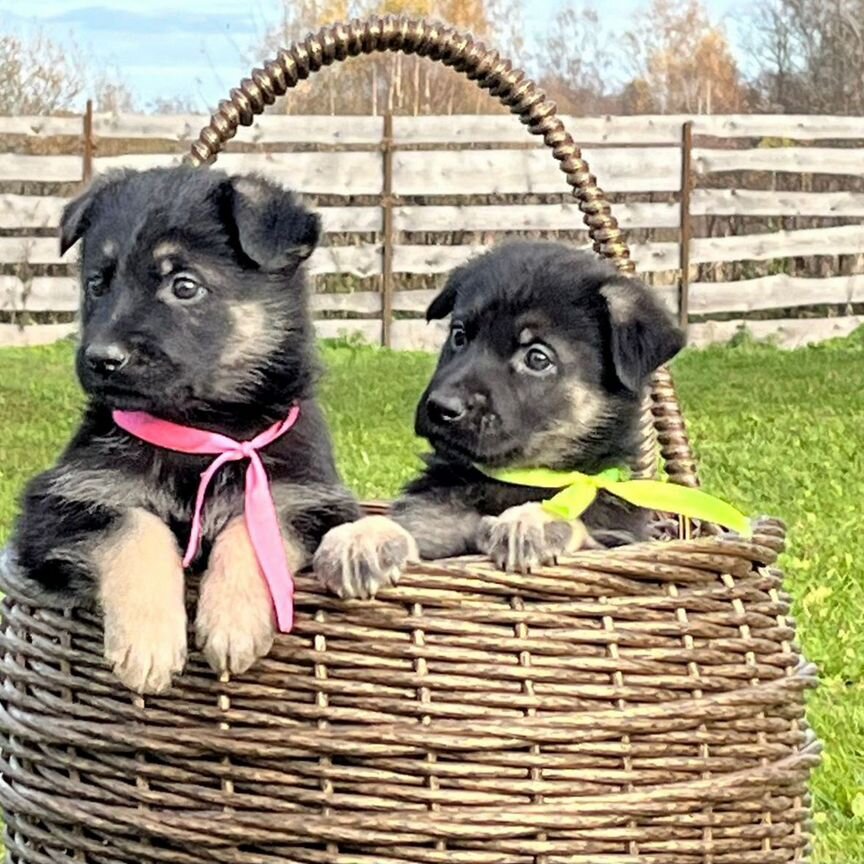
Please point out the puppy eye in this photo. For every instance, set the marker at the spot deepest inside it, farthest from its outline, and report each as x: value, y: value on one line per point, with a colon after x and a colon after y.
x: 186, y: 289
x: 458, y: 338
x: 537, y: 359
x: 95, y: 286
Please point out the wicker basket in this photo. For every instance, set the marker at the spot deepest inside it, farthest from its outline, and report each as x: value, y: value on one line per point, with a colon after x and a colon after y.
x: 641, y: 705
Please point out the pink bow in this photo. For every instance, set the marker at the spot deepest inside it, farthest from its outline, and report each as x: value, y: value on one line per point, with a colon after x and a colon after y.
x: 262, y: 521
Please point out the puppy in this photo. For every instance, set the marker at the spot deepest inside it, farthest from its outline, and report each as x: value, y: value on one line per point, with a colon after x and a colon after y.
x: 194, y: 309
x: 545, y: 366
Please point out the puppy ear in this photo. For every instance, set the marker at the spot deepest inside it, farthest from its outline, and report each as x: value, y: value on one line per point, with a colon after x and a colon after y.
x: 75, y: 219
x: 644, y: 336
x: 443, y: 304
x: 273, y: 229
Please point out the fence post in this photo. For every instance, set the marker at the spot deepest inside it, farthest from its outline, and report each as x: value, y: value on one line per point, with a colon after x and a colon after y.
x: 388, y: 232
x: 89, y: 144
x: 684, y: 225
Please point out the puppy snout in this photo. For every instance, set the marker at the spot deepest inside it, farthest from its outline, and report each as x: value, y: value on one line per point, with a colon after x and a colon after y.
x: 448, y: 408
x: 445, y: 408
x: 106, y: 358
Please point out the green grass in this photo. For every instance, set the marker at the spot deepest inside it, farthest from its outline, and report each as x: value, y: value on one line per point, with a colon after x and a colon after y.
x: 777, y: 432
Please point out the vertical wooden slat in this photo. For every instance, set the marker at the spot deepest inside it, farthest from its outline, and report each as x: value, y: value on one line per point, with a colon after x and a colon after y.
x: 388, y: 230
x: 89, y: 144
x: 684, y: 236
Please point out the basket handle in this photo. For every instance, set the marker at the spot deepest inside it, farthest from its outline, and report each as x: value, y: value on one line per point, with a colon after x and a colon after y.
x: 491, y: 72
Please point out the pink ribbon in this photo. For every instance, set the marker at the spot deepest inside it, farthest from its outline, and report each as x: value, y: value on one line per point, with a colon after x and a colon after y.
x: 262, y: 522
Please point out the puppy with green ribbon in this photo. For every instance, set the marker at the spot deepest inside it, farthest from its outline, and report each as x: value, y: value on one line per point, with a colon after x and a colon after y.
x: 533, y: 411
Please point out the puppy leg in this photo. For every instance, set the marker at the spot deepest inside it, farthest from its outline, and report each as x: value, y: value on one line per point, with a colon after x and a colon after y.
x: 442, y: 524
x: 140, y: 576
x: 235, y: 624
x: 359, y: 558
x: 526, y: 536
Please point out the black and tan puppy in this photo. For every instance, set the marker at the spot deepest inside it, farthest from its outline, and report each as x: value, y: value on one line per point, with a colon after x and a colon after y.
x: 194, y: 309
x: 548, y: 355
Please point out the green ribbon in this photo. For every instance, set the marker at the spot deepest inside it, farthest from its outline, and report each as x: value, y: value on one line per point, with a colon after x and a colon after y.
x: 579, y: 490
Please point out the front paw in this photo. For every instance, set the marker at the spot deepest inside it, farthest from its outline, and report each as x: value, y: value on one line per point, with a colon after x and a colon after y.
x: 359, y: 558
x: 526, y: 537
x: 146, y: 654
x: 235, y: 623
x: 141, y: 592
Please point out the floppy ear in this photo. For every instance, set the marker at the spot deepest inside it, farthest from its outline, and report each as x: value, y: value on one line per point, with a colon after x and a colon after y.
x: 443, y: 304
x: 273, y: 229
x: 644, y: 336
x: 75, y: 219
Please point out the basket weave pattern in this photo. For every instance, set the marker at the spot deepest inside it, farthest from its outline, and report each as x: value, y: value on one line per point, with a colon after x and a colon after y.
x: 639, y: 705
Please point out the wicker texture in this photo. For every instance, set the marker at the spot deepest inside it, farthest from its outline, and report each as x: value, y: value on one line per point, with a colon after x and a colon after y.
x: 640, y: 705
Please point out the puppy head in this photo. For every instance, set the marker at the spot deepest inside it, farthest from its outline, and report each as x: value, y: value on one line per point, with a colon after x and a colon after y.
x: 548, y: 354
x: 192, y: 299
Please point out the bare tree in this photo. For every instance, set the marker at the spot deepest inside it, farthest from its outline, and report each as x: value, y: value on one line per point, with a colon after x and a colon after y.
x: 392, y: 82
x: 575, y: 66
x: 682, y: 61
x: 811, y: 55
x: 38, y: 76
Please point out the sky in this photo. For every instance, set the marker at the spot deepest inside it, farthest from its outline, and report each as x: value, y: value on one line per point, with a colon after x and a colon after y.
x: 200, y: 49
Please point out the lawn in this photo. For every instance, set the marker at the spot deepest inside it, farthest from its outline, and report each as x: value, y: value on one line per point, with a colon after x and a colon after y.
x: 777, y: 432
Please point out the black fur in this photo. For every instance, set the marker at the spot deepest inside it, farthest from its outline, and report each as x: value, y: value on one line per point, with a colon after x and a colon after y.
x: 232, y: 359
x: 605, y: 334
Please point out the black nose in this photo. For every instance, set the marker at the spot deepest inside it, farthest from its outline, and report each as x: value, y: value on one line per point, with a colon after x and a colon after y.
x: 106, y: 358
x: 445, y: 408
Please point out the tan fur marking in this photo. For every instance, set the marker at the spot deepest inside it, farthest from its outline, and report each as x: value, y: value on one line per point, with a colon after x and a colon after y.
x: 166, y: 249
x: 622, y: 301
x: 235, y: 624
x: 253, y: 335
x: 141, y: 591
x: 548, y: 446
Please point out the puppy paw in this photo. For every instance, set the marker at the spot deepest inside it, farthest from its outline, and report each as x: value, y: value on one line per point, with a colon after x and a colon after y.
x: 235, y: 624
x: 526, y: 537
x: 146, y: 654
x: 357, y: 559
x: 141, y: 593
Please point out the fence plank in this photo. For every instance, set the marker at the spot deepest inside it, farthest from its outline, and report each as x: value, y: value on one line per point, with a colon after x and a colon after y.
x: 774, y: 292
x: 840, y: 240
x: 41, y: 294
x: 797, y: 160
x: 347, y: 173
x: 48, y: 169
x: 487, y: 172
x: 38, y: 126
x: 506, y: 129
x: 784, y: 332
x: 357, y: 302
x: 528, y: 217
x: 493, y: 129
x: 13, y: 336
x: 750, y: 202
x: 267, y: 129
x: 431, y: 259
x: 31, y: 250
x: 364, y: 259
x: 30, y: 211
x: 350, y: 220
x: 801, y: 127
x: 368, y: 330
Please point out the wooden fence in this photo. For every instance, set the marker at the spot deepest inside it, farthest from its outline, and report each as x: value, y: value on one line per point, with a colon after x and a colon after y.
x: 404, y: 199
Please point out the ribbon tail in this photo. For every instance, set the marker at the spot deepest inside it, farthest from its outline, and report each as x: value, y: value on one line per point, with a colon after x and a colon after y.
x: 682, y: 500
x: 262, y: 522
x: 195, y: 530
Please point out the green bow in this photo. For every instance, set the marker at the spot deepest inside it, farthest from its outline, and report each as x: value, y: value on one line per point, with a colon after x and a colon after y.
x: 579, y: 490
